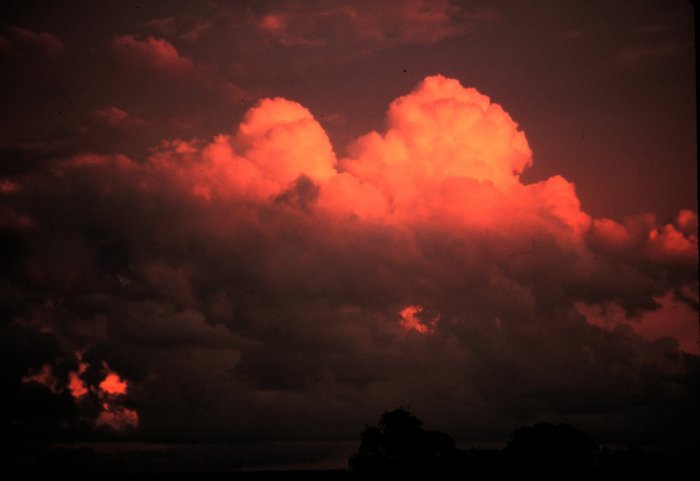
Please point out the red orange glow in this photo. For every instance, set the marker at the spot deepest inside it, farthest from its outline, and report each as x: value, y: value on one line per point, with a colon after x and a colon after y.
x: 449, y: 163
x: 113, y: 384
x: 118, y: 419
x: 76, y: 385
x: 114, y: 415
x: 109, y: 392
x: 45, y: 377
x: 673, y: 319
x: 445, y: 147
x: 410, y: 320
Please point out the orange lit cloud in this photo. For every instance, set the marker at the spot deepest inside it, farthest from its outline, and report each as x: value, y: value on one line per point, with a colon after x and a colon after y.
x: 113, y: 384
x: 449, y: 158
x: 642, y: 238
x: 45, y: 377
x: 439, y: 131
x: 156, y: 53
x: 283, y: 140
x: 110, y: 394
x: 277, y: 141
x: 673, y: 318
x: 258, y: 266
x: 76, y: 385
x: 106, y: 397
x: 410, y: 320
x: 118, y: 419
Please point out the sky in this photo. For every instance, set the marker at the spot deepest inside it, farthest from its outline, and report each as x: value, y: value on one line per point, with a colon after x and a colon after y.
x: 244, y: 230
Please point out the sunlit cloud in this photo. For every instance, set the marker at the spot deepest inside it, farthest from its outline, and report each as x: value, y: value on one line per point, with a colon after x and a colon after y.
x: 76, y: 385
x: 151, y: 52
x: 410, y: 320
x: 107, y: 395
x: 118, y: 419
x: 260, y: 265
x: 113, y: 384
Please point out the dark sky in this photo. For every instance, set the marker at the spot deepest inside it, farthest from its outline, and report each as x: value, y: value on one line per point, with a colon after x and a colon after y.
x: 268, y: 222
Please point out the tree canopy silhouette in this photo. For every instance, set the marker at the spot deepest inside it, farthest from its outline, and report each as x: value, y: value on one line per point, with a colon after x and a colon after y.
x: 399, y: 443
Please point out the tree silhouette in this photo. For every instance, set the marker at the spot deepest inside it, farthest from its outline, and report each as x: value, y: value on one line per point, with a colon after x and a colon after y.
x: 400, y: 444
x: 545, y: 448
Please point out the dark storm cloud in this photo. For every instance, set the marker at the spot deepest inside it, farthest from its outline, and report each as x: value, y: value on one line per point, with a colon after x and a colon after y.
x: 273, y: 283
x: 256, y: 286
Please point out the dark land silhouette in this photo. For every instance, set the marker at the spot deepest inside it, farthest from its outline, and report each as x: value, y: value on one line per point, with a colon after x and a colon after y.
x: 399, y: 444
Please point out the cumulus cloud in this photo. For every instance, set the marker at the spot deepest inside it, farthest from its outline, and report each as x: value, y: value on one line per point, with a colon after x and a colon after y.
x: 255, y: 284
x: 440, y: 132
x: 152, y: 52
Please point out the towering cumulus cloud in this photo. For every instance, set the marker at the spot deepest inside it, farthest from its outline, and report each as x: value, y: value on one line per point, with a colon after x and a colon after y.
x: 256, y: 285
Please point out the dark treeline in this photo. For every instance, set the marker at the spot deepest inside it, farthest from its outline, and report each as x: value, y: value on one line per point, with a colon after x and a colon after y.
x: 399, y: 444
